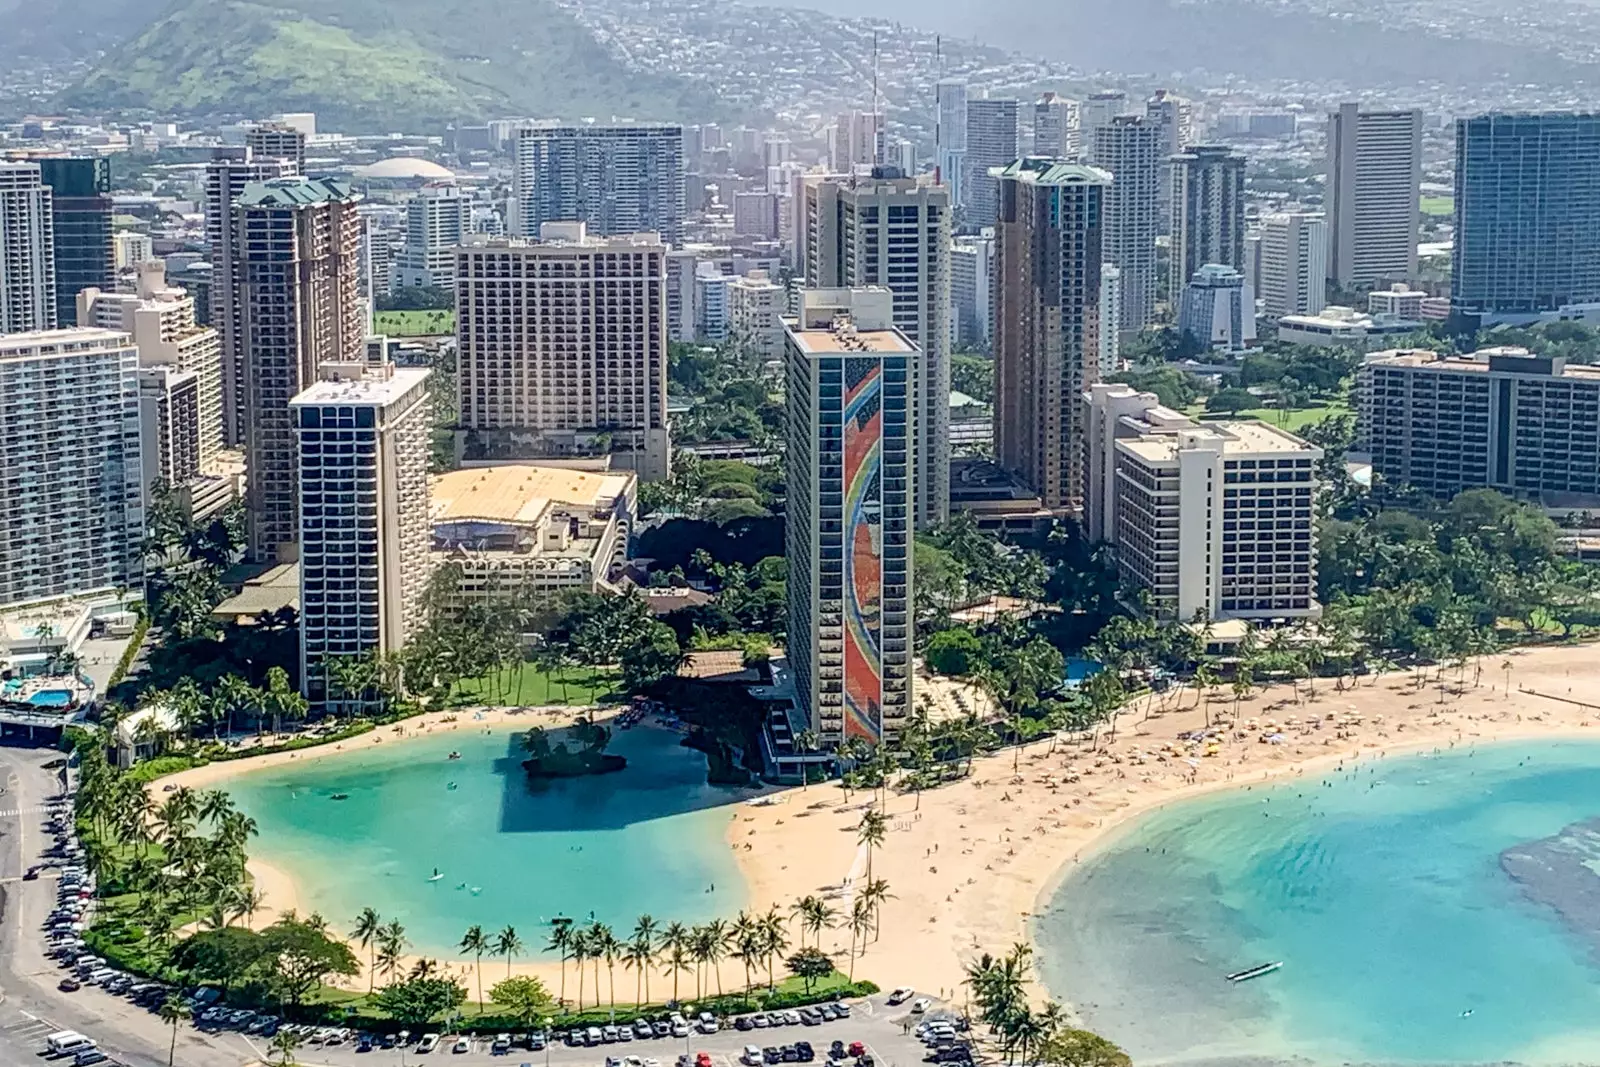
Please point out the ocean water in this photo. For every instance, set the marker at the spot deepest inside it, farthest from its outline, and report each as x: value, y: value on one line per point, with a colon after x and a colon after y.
x: 647, y: 839
x: 1428, y: 909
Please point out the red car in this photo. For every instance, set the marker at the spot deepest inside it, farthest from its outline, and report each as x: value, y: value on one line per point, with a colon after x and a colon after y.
x: 702, y: 1059
x: 857, y: 1048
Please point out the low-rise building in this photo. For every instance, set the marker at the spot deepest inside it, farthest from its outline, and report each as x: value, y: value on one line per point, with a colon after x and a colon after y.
x: 1336, y: 325
x: 755, y: 315
x: 1398, y: 301
x: 1218, y: 309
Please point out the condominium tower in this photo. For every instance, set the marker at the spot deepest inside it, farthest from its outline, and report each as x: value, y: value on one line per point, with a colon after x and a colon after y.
x: 80, y: 197
x: 71, y: 485
x: 275, y: 140
x: 895, y: 232
x: 993, y: 140
x: 297, y: 273
x: 563, y: 346
x: 950, y: 137
x: 27, y: 250
x: 1527, y: 234
x: 1055, y: 127
x: 1292, y: 264
x: 1129, y: 147
x: 1372, y: 195
x: 1047, y: 319
x: 619, y: 179
x: 850, y: 472
x: 438, y: 219
x: 362, y: 454
x: 1173, y: 118
x: 1207, y: 211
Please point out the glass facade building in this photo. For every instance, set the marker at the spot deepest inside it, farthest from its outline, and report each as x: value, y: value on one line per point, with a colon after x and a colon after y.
x: 81, y: 208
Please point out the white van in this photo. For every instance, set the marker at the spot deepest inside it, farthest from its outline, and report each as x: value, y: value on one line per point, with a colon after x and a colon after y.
x: 63, y: 1042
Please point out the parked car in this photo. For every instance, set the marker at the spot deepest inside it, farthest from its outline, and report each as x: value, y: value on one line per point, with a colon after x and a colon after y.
x: 463, y: 1044
x: 901, y: 995
x: 428, y: 1043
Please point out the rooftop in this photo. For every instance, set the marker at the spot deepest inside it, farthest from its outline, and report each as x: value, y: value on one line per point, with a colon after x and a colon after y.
x: 1236, y: 437
x: 367, y: 390
x: 48, y: 341
x: 403, y: 168
x: 846, y: 338
x: 1038, y: 170
x: 294, y: 192
x: 519, y: 493
x: 1505, y: 358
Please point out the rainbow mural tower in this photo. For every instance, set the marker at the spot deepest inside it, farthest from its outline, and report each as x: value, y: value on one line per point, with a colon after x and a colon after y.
x: 850, y: 492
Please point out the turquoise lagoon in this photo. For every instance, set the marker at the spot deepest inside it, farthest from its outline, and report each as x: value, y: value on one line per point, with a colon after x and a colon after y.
x: 650, y: 838
x: 1428, y: 909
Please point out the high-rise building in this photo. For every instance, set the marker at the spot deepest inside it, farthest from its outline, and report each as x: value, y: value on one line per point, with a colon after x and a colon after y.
x: 1217, y: 309
x: 711, y: 303
x: 277, y: 140
x: 895, y: 232
x: 227, y: 174
x: 993, y: 140
x: 1055, y: 127
x: 80, y: 198
x: 1372, y: 195
x: 1527, y: 234
x: 1048, y: 319
x: 1128, y: 147
x: 563, y: 346
x: 1110, y: 313
x: 297, y: 272
x: 1293, y: 254
x: 1207, y: 183
x: 950, y: 137
x: 1499, y: 418
x: 1215, y: 521
x: 71, y: 485
x: 618, y: 179
x: 1097, y: 110
x: 857, y: 140
x: 1173, y: 118
x: 755, y: 214
x: 755, y: 315
x: 27, y: 250
x: 362, y: 435
x: 971, y: 271
x: 438, y: 219
x: 850, y: 473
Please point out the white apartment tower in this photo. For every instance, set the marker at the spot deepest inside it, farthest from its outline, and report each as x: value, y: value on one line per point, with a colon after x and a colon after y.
x: 950, y: 137
x: 620, y: 179
x: 856, y: 141
x: 362, y: 455
x: 895, y: 233
x: 1373, y: 185
x: 438, y: 219
x: 1173, y: 118
x: 971, y: 272
x: 1097, y: 110
x: 71, y: 483
x: 277, y: 140
x: 563, y: 346
x: 1055, y: 127
x: 1293, y: 257
x: 27, y: 250
x: 755, y: 315
x: 993, y: 140
x: 1129, y: 147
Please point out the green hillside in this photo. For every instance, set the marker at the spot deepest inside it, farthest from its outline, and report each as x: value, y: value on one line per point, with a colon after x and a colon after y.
x: 377, y: 65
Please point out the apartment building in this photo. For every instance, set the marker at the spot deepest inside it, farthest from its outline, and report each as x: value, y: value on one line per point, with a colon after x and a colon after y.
x: 1129, y: 147
x: 1214, y: 521
x: 1291, y: 264
x: 1216, y: 310
x: 971, y: 270
x: 71, y: 481
x: 81, y: 209
x: 1173, y: 118
x: 361, y: 436
x: 27, y: 250
x: 994, y: 139
x: 1207, y: 212
x: 619, y: 179
x: 849, y: 476
x: 1055, y: 127
x: 755, y: 315
x: 438, y: 219
x: 277, y: 140
x: 563, y: 347
x: 950, y: 138
x: 1372, y: 195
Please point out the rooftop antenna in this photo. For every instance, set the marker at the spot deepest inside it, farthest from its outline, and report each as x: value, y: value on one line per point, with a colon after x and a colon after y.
x: 938, y: 110
x: 877, y: 113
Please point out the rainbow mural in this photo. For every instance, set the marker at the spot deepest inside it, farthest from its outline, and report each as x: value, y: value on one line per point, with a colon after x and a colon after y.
x: 863, y: 549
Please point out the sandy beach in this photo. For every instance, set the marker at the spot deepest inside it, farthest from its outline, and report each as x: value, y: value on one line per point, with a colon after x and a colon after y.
x: 967, y: 862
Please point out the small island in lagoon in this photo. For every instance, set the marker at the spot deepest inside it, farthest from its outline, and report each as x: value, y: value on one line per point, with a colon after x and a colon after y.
x: 557, y: 759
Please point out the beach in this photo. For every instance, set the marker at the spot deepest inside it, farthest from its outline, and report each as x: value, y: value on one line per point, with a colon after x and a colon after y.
x: 967, y: 863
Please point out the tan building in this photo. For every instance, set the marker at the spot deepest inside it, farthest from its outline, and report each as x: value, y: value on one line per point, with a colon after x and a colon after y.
x: 1373, y: 194
x: 298, y: 243
x: 563, y: 348
x: 755, y: 315
x: 523, y: 531
x: 362, y: 457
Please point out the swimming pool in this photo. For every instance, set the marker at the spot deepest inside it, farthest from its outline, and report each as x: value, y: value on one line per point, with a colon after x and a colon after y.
x: 1079, y: 669
x: 51, y: 698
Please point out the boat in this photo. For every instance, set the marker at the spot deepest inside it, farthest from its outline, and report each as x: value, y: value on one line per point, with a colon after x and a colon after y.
x: 1254, y: 972
x: 340, y: 796
x: 454, y: 755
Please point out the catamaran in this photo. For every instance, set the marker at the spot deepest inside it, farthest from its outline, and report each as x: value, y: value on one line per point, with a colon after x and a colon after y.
x: 1254, y: 972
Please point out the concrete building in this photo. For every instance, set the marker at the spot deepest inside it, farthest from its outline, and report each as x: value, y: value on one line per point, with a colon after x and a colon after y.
x: 277, y: 140
x: 71, y: 484
x: 620, y: 179
x: 169, y: 427
x: 895, y: 232
x: 1372, y: 195
x: 539, y: 375
x: 1109, y: 358
x: 80, y: 208
x: 1292, y: 264
x: 1215, y: 521
x: 1129, y: 147
x: 297, y: 280
x: 1502, y: 418
x: 1097, y: 110
x: 756, y: 305
x: 971, y: 269
x: 438, y: 219
x: 1048, y: 319
x: 850, y: 475
x: 362, y: 454
x: 227, y: 174
x: 755, y: 214
x: 27, y: 250
x: 1527, y: 232
x: 994, y: 139
x: 131, y: 248
x: 1398, y: 301
x: 1055, y: 127
x: 1207, y: 212
x: 1173, y: 118
x: 856, y: 141
x: 1335, y: 325
x: 711, y: 304
x: 1218, y: 310
x: 950, y: 138
x: 528, y: 534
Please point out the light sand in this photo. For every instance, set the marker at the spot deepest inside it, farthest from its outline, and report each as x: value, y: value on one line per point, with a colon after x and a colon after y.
x: 966, y: 863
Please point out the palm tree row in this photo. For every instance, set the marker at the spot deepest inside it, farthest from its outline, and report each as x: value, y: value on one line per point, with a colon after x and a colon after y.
x: 1039, y: 1036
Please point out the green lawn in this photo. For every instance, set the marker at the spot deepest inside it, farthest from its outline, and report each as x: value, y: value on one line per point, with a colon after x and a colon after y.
x: 1294, y: 421
x: 528, y: 686
x: 1439, y: 205
x: 415, y: 323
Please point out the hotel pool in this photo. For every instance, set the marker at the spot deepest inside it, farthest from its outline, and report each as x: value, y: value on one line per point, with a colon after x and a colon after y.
x: 51, y: 698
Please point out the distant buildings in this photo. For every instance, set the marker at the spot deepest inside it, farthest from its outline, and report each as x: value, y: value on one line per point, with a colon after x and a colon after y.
x: 361, y: 436
x: 71, y: 483
x: 1215, y: 520
x: 993, y: 140
x: 1335, y: 325
x: 1173, y: 118
x: 950, y: 138
x: 1207, y: 212
x: 1398, y: 301
x: 755, y: 214
x: 1218, y: 309
x: 1048, y: 318
x: 1292, y: 263
x: 1527, y: 235
x: 1097, y: 110
x: 711, y: 304
x: 1373, y: 195
x: 1129, y: 147
x: 1055, y: 127
x: 755, y: 315
x: 27, y: 250
x: 277, y: 140
x: 563, y: 347
x: 856, y: 140
x: 971, y: 268
x: 438, y: 219
x: 1502, y: 418
x: 850, y: 477
x: 618, y: 179
x: 80, y: 196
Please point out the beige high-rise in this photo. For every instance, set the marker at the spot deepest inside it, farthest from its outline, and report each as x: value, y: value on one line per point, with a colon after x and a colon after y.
x: 1372, y: 196
x: 563, y: 347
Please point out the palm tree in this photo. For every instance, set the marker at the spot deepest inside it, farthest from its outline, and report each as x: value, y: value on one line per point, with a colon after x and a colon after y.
x: 561, y: 942
x: 605, y: 946
x: 391, y: 946
x: 580, y: 956
x: 859, y: 924
x: 173, y: 1012
x: 717, y: 943
x: 365, y: 934
x: 508, y: 944
x: 675, y: 940
x: 773, y: 939
x: 871, y: 832
x: 645, y: 933
x: 637, y: 955
x: 677, y: 963
x: 815, y: 915
x: 875, y: 893
x: 476, y: 942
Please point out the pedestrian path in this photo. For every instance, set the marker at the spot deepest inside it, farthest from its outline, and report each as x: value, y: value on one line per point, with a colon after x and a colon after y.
x: 36, y: 809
